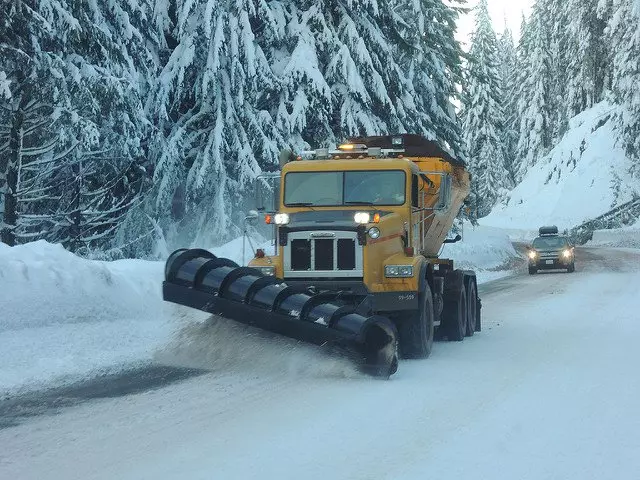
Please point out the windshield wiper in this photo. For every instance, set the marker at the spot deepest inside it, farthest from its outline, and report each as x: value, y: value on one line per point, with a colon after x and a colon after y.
x: 359, y: 202
x: 299, y: 204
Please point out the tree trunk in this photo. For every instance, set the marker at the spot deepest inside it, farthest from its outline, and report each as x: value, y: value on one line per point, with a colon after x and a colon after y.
x: 10, y: 213
x: 76, y: 214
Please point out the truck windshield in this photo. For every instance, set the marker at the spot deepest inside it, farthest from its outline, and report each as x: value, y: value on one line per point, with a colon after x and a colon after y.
x: 370, y: 187
x: 549, y: 242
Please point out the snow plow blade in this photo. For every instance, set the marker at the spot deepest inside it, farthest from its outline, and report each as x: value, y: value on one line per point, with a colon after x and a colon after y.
x: 196, y: 278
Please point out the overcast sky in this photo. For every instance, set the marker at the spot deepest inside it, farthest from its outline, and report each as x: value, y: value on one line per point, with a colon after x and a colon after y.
x: 511, y: 10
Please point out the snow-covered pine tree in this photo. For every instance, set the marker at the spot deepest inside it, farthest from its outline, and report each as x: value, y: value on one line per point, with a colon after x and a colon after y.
x: 384, y: 67
x: 432, y: 58
x: 508, y: 64
x: 483, y: 117
x: 77, y: 89
x: 111, y: 65
x: 555, y: 16
x: 337, y: 71
x: 534, y: 82
x: 212, y: 106
x: 27, y: 118
x: 624, y: 34
x: 586, y: 66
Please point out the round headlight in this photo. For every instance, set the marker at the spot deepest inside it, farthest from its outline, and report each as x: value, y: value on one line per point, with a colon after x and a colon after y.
x: 281, y: 218
x: 374, y: 232
x: 362, y: 217
x: 566, y: 253
x: 533, y: 254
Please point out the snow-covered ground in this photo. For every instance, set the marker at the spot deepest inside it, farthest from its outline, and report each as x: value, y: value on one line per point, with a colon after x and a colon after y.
x: 64, y: 318
x: 584, y: 176
x: 548, y: 390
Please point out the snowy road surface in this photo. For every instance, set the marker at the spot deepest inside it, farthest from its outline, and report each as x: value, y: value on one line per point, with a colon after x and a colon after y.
x: 549, y: 390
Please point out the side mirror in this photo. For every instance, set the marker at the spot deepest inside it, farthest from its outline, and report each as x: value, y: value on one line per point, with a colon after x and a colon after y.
x: 252, y: 217
x: 444, y: 194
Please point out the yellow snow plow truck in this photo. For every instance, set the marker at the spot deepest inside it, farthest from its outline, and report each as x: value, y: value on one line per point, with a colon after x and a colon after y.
x: 358, y: 231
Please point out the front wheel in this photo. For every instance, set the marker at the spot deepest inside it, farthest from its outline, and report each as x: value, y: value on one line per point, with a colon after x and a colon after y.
x: 533, y: 270
x: 572, y: 268
x: 416, y: 330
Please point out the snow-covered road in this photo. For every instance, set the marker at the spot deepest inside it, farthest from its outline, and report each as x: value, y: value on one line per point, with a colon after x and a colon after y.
x: 549, y: 389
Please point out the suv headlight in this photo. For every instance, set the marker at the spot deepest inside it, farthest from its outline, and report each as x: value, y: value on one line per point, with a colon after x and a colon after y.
x: 402, y: 271
x: 567, y: 253
x: 533, y: 254
x: 267, y: 271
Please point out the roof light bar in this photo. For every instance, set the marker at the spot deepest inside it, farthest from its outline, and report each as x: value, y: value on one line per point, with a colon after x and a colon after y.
x: 352, y: 146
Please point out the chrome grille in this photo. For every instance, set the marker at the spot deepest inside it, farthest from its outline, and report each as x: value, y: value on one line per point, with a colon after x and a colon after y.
x: 322, y: 254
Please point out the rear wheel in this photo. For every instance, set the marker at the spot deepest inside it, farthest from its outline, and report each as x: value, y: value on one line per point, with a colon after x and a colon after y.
x: 472, y: 309
x: 455, y: 315
x: 416, y: 330
x: 533, y: 270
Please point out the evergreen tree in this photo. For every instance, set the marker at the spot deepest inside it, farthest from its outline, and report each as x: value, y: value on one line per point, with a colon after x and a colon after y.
x: 534, y: 91
x: 211, y: 105
x: 586, y: 68
x: 435, y: 67
x: 483, y: 115
x: 74, y: 98
x: 508, y: 63
x: 28, y: 120
x: 624, y: 33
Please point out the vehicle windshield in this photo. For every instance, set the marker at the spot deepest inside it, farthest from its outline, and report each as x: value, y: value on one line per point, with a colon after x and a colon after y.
x: 363, y: 187
x: 543, y: 243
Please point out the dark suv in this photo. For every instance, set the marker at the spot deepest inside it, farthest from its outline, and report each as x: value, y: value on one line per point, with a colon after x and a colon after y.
x: 550, y: 251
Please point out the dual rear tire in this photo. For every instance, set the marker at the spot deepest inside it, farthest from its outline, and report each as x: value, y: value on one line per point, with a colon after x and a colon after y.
x: 416, y: 330
x: 460, y: 318
x: 461, y: 315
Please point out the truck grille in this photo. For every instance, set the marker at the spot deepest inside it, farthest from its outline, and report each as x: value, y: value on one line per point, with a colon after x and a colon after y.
x: 332, y: 254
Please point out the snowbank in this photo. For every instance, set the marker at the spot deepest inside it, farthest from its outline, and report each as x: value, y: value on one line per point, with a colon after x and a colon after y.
x: 627, y: 237
x: 583, y: 177
x: 484, y: 249
x: 65, y: 318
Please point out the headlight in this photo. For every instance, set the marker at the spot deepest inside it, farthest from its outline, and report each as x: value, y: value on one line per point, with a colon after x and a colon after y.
x: 398, y: 271
x: 374, y: 232
x: 267, y: 271
x: 281, y: 218
x: 566, y: 253
x: 533, y: 254
x: 362, y: 217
